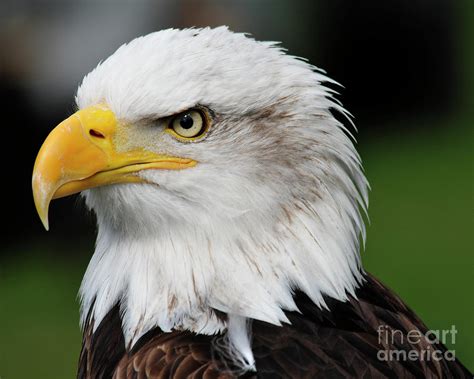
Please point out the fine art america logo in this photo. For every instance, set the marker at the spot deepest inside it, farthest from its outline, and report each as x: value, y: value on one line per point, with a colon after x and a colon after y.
x: 415, y: 345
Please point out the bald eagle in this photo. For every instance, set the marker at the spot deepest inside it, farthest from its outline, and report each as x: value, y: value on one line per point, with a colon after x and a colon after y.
x: 230, y: 207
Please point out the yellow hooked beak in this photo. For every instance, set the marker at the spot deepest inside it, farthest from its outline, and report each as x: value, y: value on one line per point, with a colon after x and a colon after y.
x: 80, y: 153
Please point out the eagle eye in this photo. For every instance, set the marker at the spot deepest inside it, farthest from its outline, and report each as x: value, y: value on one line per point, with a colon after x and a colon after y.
x: 188, y: 125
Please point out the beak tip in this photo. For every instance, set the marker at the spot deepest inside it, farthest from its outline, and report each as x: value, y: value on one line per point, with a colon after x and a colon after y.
x: 44, y: 219
x: 46, y: 224
x: 42, y: 210
x: 42, y: 196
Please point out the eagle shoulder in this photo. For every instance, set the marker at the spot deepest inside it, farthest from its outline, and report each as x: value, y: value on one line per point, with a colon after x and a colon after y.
x: 348, y: 340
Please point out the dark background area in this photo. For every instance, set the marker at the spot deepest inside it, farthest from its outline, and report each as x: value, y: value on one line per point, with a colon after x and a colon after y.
x: 407, y: 71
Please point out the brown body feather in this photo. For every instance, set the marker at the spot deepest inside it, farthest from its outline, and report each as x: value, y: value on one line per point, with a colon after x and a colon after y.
x: 341, y: 342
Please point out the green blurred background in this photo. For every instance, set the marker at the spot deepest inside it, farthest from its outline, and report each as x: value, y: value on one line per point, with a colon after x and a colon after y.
x: 408, y: 69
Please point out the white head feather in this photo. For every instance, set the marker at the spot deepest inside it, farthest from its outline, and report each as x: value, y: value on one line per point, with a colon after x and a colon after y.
x: 273, y: 205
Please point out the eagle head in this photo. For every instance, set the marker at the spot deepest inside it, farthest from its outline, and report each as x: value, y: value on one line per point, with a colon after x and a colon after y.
x: 220, y: 179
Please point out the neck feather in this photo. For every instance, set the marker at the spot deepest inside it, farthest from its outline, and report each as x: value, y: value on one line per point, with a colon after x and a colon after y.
x: 177, y: 279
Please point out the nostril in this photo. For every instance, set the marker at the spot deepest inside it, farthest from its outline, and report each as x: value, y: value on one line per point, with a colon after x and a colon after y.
x: 95, y: 133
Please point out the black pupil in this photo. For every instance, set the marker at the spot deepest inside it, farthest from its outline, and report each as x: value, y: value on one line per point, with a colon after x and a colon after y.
x: 186, y: 121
